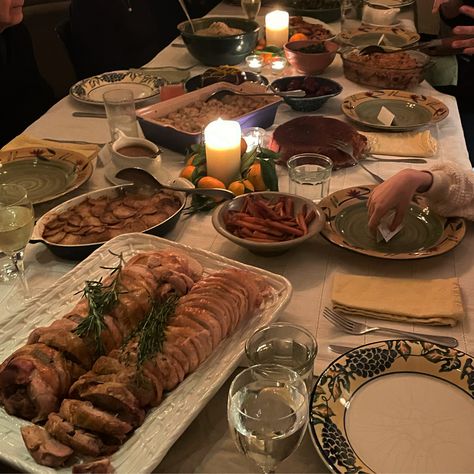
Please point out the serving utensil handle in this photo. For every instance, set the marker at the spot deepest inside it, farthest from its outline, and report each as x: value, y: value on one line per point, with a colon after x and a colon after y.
x: 444, y: 340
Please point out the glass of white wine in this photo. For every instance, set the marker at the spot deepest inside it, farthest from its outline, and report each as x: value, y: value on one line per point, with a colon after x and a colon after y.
x: 251, y: 8
x: 16, y: 226
x: 267, y: 410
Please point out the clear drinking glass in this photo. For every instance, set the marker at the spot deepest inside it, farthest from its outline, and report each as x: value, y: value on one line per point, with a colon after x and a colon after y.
x: 284, y: 344
x: 251, y: 8
x: 16, y: 226
x: 309, y: 175
x: 120, y: 110
x: 267, y: 410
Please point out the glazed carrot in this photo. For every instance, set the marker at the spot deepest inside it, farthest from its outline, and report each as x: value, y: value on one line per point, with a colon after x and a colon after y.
x: 284, y: 228
x: 302, y: 223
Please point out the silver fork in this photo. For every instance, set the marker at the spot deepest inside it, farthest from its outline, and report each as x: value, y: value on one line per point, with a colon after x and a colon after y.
x: 353, y: 327
x: 349, y: 150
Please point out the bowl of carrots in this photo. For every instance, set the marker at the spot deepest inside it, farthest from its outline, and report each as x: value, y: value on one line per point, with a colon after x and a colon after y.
x: 268, y: 222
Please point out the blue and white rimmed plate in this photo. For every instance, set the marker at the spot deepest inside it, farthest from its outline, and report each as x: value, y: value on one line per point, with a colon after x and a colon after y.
x: 395, y: 406
x: 91, y: 90
x: 424, y: 233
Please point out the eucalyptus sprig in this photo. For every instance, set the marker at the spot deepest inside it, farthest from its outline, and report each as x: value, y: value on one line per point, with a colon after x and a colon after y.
x: 101, y: 299
x: 151, y: 331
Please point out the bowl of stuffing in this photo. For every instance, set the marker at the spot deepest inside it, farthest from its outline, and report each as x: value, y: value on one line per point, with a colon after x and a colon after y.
x: 318, y: 91
x: 310, y: 57
x: 397, y: 70
x: 218, y: 41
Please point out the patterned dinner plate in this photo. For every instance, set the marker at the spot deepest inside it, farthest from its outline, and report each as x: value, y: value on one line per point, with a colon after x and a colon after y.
x: 424, y: 233
x: 411, y: 110
x: 395, y: 406
x: 91, y: 90
x: 46, y: 173
x: 365, y: 35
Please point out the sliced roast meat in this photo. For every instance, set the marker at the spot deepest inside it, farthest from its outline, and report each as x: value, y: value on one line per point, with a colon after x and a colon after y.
x: 86, y: 416
x: 81, y: 441
x: 115, y: 398
x: 100, y: 466
x: 44, y: 449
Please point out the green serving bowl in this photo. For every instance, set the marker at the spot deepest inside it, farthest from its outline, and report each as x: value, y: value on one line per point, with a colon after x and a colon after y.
x: 220, y: 50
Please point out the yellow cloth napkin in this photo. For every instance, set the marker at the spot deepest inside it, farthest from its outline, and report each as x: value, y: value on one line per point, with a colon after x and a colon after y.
x: 421, y: 144
x: 436, y: 302
x: 24, y: 140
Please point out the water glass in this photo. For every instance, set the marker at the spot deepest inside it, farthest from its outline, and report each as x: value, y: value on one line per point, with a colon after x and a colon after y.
x: 285, y: 344
x: 351, y: 15
x: 120, y: 109
x: 251, y: 8
x: 254, y: 137
x: 267, y: 410
x: 309, y: 175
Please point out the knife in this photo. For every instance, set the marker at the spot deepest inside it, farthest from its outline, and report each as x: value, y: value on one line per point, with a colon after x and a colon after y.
x: 339, y: 349
x: 89, y: 114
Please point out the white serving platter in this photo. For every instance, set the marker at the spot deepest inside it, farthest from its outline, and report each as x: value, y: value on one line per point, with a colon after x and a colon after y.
x: 164, y: 424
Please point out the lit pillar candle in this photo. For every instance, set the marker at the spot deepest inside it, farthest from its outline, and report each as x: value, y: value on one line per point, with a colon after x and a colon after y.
x: 222, y: 139
x: 276, y: 28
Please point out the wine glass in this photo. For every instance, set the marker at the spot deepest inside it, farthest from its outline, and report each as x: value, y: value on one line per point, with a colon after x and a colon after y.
x: 267, y: 410
x: 16, y: 226
x: 251, y: 8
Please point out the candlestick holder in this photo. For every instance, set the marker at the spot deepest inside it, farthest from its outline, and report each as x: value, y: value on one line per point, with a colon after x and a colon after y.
x: 254, y: 62
x: 278, y: 64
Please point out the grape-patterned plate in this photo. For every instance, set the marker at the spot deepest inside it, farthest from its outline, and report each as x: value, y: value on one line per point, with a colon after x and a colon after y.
x: 395, y: 406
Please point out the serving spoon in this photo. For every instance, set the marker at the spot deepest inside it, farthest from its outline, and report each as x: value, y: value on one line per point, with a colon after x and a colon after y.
x: 220, y: 94
x: 444, y: 42
x: 141, y: 176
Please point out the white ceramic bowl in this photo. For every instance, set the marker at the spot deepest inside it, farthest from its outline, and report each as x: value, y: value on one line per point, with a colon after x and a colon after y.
x: 271, y: 248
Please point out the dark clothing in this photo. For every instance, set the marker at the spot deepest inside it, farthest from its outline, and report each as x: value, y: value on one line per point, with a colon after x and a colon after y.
x: 24, y: 94
x: 108, y: 35
x: 463, y: 91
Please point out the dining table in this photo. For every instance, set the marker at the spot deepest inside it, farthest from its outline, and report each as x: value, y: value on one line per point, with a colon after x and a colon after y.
x: 206, y: 445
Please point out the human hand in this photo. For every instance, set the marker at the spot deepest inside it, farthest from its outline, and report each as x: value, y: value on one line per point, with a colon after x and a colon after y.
x: 467, y: 45
x: 396, y: 193
x: 449, y: 7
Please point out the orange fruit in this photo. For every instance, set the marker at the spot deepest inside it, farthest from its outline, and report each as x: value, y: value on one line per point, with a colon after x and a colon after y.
x: 210, y: 182
x: 187, y: 172
x: 243, y: 146
x: 241, y: 187
x: 298, y: 37
x: 255, y: 177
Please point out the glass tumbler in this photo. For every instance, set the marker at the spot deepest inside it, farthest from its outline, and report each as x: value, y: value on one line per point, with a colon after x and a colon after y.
x: 120, y: 109
x: 309, y: 175
x: 285, y: 344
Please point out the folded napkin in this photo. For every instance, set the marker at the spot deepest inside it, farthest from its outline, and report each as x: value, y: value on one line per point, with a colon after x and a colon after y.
x: 421, y: 144
x: 436, y: 302
x: 24, y: 140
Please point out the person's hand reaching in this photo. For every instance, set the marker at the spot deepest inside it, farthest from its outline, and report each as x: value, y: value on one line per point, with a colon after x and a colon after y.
x: 466, y: 44
x: 396, y: 193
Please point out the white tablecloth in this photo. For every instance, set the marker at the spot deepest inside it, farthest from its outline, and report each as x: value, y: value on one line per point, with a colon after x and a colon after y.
x: 206, y: 445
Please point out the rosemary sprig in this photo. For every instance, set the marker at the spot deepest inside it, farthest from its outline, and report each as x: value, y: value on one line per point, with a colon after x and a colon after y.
x: 151, y: 332
x: 101, y: 299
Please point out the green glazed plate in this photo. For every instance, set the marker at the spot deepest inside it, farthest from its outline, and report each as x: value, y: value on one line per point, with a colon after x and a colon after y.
x: 45, y: 173
x: 395, y: 406
x: 91, y: 90
x: 365, y: 35
x: 424, y: 234
x: 411, y: 111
